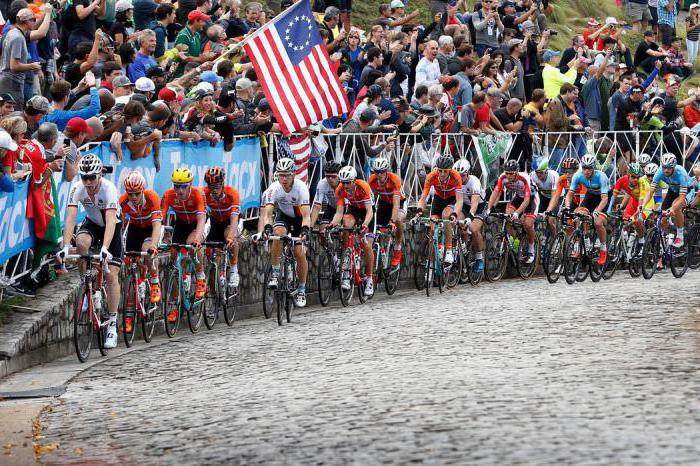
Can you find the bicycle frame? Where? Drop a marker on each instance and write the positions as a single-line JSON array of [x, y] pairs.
[[355, 242]]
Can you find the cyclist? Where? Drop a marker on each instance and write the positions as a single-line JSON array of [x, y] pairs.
[[634, 185], [287, 206], [224, 205], [595, 201], [325, 197], [547, 182], [677, 179], [141, 208], [187, 203], [649, 171], [355, 207], [643, 160], [692, 199], [101, 228], [473, 209], [525, 201], [446, 184], [391, 202]]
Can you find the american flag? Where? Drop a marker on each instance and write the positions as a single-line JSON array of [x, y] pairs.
[[295, 70], [301, 151]]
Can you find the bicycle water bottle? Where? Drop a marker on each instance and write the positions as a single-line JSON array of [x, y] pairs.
[[142, 288], [630, 239], [441, 249], [97, 300], [383, 253], [187, 281], [587, 242], [222, 278], [669, 239]]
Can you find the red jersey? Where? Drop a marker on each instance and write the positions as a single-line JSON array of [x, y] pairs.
[[187, 210], [142, 216], [389, 190], [564, 183], [443, 190], [360, 197], [221, 209], [520, 186]]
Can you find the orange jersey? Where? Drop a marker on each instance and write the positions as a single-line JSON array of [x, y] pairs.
[[563, 184], [443, 190], [142, 216], [187, 210], [220, 210], [360, 197], [387, 191]]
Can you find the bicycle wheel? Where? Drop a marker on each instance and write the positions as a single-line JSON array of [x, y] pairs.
[[429, 269], [635, 261], [130, 304], [615, 247], [195, 307], [346, 277], [391, 274], [82, 325], [693, 240], [104, 324], [280, 302], [171, 303], [585, 261], [595, 271], [679, 259], [212, 298], [228, 297], [452, 273], [496, 258], [573, 252], [650, 253], [555, 257], [325, 277], [148, 322], [268, 297], [420, 264], [525, 268]]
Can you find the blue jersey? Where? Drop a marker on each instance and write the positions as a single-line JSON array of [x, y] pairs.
[[677, 182], [598, 184]]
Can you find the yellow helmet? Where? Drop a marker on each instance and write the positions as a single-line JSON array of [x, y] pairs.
[[181, 176]]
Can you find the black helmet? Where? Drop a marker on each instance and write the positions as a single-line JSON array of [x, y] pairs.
[[510, 166], [444, 162], [333, 168]]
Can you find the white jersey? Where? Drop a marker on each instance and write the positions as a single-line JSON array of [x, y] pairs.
[[325, 194], [547, 187], [472, 186], [106, 198], [265, 196], [289, 202]]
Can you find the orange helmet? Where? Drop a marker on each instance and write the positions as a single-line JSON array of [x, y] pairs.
[[215, 175], [134, 182]]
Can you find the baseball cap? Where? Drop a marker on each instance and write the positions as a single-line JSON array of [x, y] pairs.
[[507, 4], [368, 114], [494, 91], [168, 95], [527, 24], [374, 90], [121, 81], [196, 15], [8, 98], [25, 14], [513, 42], [693, 5], [144, 84], [79, 125], [622, 66], [649, 33], [124, 5], [243, 84], [155, 71], [592, 22], [205, 87], [144, 101], [549, 54], [6, 141], [396, 4], [210, 77], [637, 88], [263, 105], [38, 103], [610, 20]]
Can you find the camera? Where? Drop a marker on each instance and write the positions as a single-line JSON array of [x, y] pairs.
[[552, 32], [107, 169]]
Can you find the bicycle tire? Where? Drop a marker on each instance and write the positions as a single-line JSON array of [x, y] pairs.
[[572, 257], [693, 240], [391, 274], [650, 253], [452, 275], [496, 258], [555, 257], [130, 299], [346, 273], [679, 260], [288, 308], [527, 270], [430, 269], [474, 277], [280, 298], [148, 323], [420, 265], [268, 294], [614, 253], [212, 299], [194, 307], [82, 326], [171, 302], [324, 278], [230, 304], [104, 324]]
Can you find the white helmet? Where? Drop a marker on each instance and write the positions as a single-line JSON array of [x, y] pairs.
[[644, 159], [347, 174], [650, 169], [380, 164], [90, 164], [668, 160], [462, 166], [286, 165], [588, 161]]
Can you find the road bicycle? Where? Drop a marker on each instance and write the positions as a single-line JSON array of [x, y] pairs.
[[430, 267], [352, 266], [462, 269], [581, 251], [658, 250], [623, 247], [287, 282], [693, 236], [552, 245], [509, 242], [136, 301], [90, 316], [219, 296], [179, 288], [383, 247], [328, 275]]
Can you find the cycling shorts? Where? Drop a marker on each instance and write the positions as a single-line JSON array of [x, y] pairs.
[[668, 199], [384, 210], [182, 230], [440, 204], [591, 201], [135, 237], [359, 213], [292, 224], [532, 207], [632, 208], [327, 215], [97, 234], [480, 211], [217, 231]]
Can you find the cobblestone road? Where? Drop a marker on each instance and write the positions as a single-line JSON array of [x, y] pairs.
[[502, 373]]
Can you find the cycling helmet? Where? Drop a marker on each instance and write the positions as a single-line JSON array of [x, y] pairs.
[[286, 165], [644, 159], [215, 175], [635, 169], [332, 168], [181, 176], [90, 165], [588, 161], [510, 166], [462, 166], [569, 163], [651, 169], [380, 164], [668, 160], [444, 162], [541, 166], [347, 174], [134, 182]]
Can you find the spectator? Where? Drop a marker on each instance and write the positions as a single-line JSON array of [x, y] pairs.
[[592, 95], [14, 63], [691, 113], [82, 14], [375, 59], [614, 103], [556, 123], [122, 29], [476, 116], [675, 62], [552, 77], [7, 105], [252, 14], [144, 13], [60, 94], [626, 118], [144, 58], [353, 55], [692, 30], [638, 12], [165, 16], [110, 70], [428, 68], [399, 64], [488, 26], [359, 145], [578, 49], [668, 12], [14, 162], [671, 104], [190, 36], [513, 65], [648, 53], [84, 59], [464, 95], [331, 20], [37, 107], [446, 51]]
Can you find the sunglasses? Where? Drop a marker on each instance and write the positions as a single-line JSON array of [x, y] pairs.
[[332, 177], [88, 177], [181, 185], [634, 177], [347, 183], [216, 186], [511, 173], [379, 172]]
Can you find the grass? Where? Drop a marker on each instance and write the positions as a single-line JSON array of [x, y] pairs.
[[6, 310]]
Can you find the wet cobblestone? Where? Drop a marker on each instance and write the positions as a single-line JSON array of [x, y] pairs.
[[512, 372]]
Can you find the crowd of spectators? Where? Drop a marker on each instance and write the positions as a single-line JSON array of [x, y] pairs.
[[132, 74]]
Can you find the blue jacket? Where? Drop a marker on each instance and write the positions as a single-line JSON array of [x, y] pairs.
[[61, 117]]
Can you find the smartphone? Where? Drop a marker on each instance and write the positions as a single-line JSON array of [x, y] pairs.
[[66, 143]]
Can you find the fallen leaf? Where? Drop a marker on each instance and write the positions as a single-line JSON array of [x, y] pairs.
[[77, 451], [43, 449]]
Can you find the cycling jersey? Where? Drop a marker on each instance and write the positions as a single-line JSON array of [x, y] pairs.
[[547, 187], [471, 187], [598, 184], [443, 189], [325, 194], [185, 211], [141, 216], [289, 203], [677, 182], [360, 197], [564, 183], [638, 192], [520, 187], [221, 209], [387, 191], [106, 198]]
